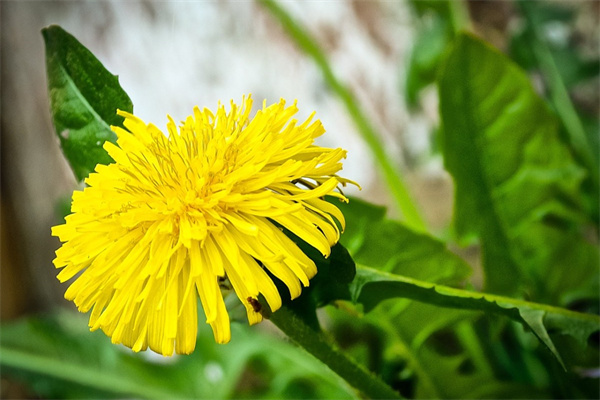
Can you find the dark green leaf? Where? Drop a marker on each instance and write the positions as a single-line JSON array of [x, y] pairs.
[[84, 99], [332, 279], [517, 185]]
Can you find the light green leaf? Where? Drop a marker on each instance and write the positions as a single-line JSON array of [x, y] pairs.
[[372, 286], [84, 99], [517, 185]]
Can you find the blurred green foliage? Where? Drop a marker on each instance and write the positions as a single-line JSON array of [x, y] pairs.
[[58, 356], [525, 189]]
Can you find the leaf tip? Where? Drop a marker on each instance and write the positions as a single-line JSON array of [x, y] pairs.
[[51, 30]]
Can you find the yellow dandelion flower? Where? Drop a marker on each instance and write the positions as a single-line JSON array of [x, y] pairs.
[[175, 216]]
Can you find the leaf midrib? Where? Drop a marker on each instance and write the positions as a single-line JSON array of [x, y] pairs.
[[489, 204], [82, 98]]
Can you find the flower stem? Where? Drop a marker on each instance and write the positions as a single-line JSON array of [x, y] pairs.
[[316, 344], [391, 174]]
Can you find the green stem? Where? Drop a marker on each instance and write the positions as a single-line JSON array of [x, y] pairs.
[[559, 95], [391, 174], [315, 343], [459, 16]]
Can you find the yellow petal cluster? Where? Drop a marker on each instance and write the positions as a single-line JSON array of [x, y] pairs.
[[176, 216]]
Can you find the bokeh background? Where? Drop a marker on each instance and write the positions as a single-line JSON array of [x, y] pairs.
[[171, 56]]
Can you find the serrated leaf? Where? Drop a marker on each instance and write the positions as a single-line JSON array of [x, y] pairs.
[[517, 185], [84, 98], [372, 287]]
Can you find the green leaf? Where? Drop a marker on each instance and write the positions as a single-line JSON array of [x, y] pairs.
[[517, 185], [372, 287], [84, 99]]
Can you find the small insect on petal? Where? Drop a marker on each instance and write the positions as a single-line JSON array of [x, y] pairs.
[[256, 306]]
